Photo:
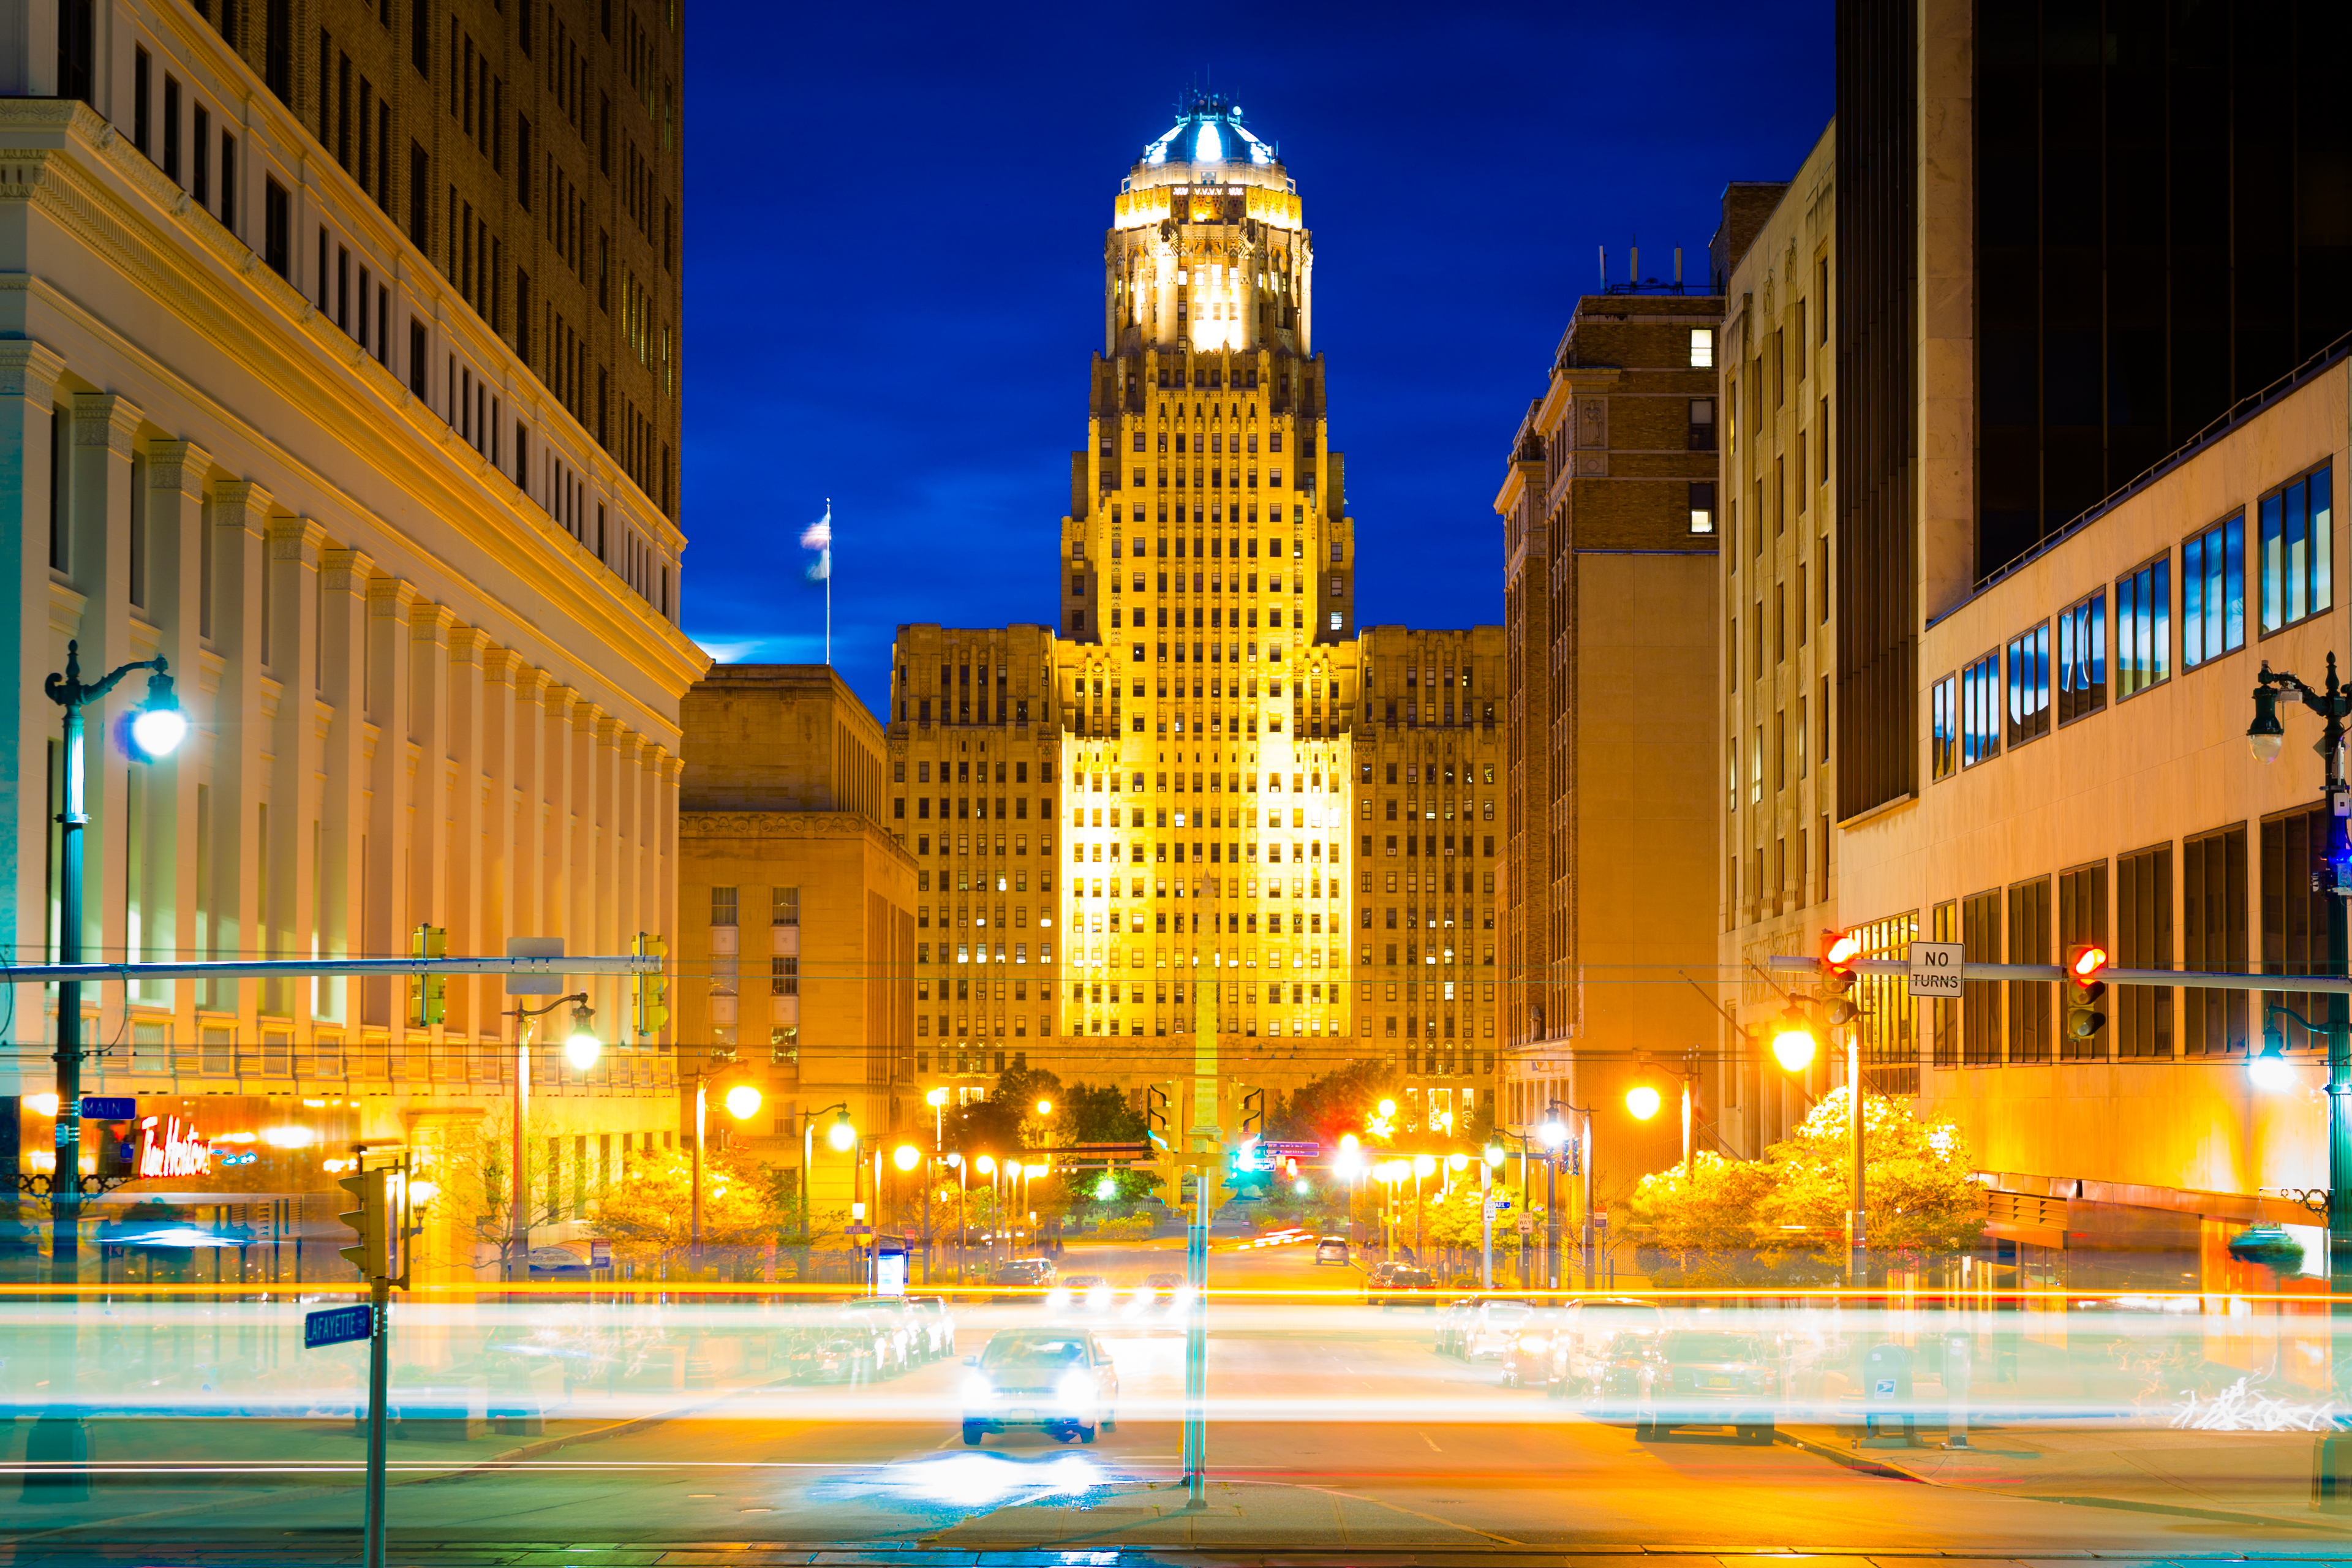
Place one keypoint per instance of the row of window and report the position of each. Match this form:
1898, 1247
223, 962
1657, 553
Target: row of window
1216, 438
783, 906
2007, 696
2219, 919
1219, 548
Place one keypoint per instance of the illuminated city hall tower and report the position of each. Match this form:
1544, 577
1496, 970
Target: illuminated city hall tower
1192, 747
1207, 648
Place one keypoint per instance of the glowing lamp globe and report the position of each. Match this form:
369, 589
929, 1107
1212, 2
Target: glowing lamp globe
905, 1156
1424, 1164
841, 1135
743, 1102
158, 731
1642, 1101
1793, 1044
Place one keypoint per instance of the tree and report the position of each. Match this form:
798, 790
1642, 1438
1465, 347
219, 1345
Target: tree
1337, 1102
648, 1213
1921, 1197
1733, 1221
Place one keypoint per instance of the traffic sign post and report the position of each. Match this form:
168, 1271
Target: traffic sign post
1935, 969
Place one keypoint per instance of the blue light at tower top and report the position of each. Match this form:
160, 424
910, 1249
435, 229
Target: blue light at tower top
1209, 130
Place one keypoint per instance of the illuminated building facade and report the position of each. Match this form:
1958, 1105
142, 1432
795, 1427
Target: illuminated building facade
1193, 730
335, 374
1610, 524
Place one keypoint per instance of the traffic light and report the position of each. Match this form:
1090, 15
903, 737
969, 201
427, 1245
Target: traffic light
649, 994
1253, 1114
2086, 993
1156, 1111
1839, 950
371, 1222
428, 995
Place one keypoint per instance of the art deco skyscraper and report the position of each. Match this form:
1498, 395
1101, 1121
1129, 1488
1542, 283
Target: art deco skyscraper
1189, 733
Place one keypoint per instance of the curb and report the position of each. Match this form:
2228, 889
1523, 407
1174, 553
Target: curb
1880, 1468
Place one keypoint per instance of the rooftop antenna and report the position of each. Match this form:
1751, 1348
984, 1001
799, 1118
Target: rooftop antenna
1678, 266
1604, 267
1633, 268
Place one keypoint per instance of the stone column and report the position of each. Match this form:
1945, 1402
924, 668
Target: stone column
292, 846
390, 911
176, 577
98, 553
345, 832
240, 522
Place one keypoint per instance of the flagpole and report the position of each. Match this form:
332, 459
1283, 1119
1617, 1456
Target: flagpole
828, 587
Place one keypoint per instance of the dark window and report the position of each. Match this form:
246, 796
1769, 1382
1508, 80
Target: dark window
2295, 912
60, 485
74, 49
417, 356
2083, 658
1981, 999
420, 36
278, 51
276, 229
420, 198
201, 165
228, 181
1702, 424
2213, 939
172, 129
143, 106
2142, 1014
2029, 942
522, 151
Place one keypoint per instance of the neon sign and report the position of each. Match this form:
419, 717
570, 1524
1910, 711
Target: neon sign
179, 1150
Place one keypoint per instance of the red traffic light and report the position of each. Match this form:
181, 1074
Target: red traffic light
1839, 949
2084, 964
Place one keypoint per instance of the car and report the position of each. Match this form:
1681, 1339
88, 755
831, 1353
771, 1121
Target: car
1485, 1332
934, 1324
1061, 1380
817, 1357
1330, 1249
1020, 1277
1526, 1353
1449, 1325
1394, 1284
1081, 1292
1709, 1377
1602, 1347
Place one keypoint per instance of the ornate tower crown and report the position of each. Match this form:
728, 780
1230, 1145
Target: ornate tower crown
1209, 144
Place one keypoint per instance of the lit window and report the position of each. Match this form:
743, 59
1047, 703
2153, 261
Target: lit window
2083, 658
2143, 628
2213, 593
1980, 710
1702, 348
2029, 685
1702, 507
2296, 550
1943, 736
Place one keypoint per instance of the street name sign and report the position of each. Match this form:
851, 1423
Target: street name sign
1935, 968
1278, 1149
337, 1325
109, 1107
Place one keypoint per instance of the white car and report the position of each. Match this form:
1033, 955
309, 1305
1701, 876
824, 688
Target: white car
1059, 1380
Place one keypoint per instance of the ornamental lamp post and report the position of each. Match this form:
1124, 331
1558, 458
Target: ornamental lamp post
581, 1049
153, 732
2265, 737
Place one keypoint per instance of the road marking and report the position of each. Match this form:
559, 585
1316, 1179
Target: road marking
1432, 1448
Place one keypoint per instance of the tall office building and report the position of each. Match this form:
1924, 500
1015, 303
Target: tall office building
1210, 849
340, 371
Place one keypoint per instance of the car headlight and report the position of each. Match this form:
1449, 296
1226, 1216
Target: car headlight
1076, 1388
1532, 1345
978, 1390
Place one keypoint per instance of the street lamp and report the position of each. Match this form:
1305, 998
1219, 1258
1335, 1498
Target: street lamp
1792, 1041
1553, 1134
841, 1135
518, 1222
1642, 1101
153, 733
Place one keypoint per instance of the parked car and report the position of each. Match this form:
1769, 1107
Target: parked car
1489, 1327
884, 1324
1450, 1318
813, 1356
1060, 1380
1330, 1249
1710, 1377
1604, 1347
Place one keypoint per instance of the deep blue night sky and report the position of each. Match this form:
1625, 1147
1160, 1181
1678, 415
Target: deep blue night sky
894, 222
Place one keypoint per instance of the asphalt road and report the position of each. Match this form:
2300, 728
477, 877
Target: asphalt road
1345, 1434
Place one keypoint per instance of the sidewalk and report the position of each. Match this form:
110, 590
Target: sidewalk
2236, 1477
